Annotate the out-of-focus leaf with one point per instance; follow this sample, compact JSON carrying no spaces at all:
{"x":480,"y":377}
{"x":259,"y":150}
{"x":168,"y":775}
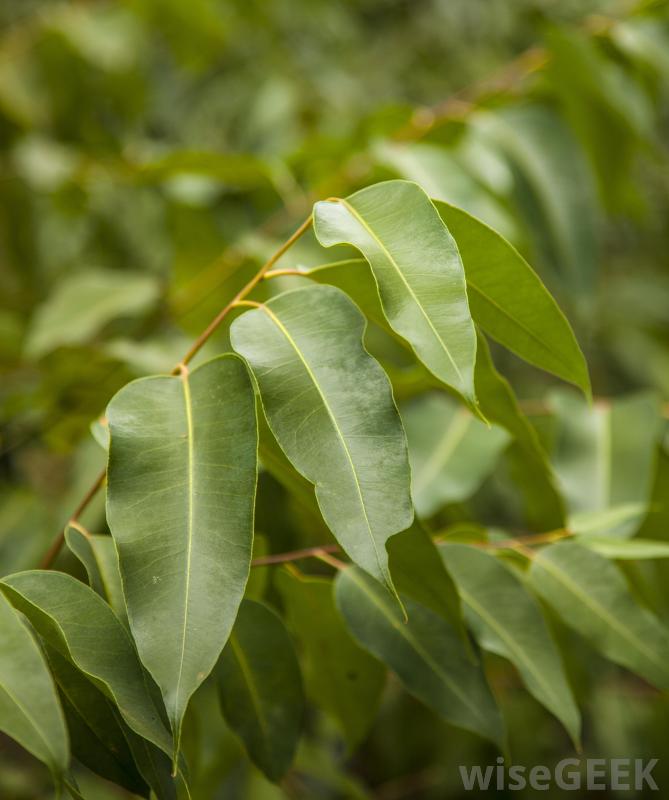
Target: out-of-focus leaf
{"x":425,"y":652}
{"x":590,"y":594}
{"x":29,"y":709}
{"x":450,"y":451}
{"x":601,"y":522}
{"x":531,"y":467}
{"x":508,"y":621}
{"x":509,"y":301}
{"x":340,"y":677}
{"x":417,"y":268}
{"x":181,"y":489}
{"x":625,"y":549}
{"x":330,"y":407}
{"x":604,"y":455}
{"x":100,"y":559}
{"x":77,"y":623}
{"x":261,"y":688}
{"x":83,"y":303}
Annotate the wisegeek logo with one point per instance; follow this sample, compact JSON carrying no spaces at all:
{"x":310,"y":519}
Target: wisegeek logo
{"x":570,"y":774}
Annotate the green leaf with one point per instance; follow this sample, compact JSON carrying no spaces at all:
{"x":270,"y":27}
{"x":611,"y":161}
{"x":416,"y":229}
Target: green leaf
{"x":78,"y":623}
{"x":29,"y":709}
{"x":330,"y":407}
{"x":507,"y":620}
{"x":261,"y":688}
{"x":182,"y":477}
{"x":509,"y":301}
{"x":531,"y":467}
{"x":591,"y":596}
{"x":418,"y":271}
{"x":604,"y":455}
{"x":100,"y":560}
{"x":96,"y":732}
{"x":624,"y":549}
{"x":426,"y":653}
{"x":86,"y":301}
{"x":450,"y":451}
{"x":340,"y":677}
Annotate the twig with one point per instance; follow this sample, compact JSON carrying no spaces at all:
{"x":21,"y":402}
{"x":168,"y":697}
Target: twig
{"x":237,"y":300}
{"x":295,"y":555}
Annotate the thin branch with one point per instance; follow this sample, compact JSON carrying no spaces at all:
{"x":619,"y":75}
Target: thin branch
{"x":295,"y":555}
{"x":180,"y":368}
{"x":52,"y":552}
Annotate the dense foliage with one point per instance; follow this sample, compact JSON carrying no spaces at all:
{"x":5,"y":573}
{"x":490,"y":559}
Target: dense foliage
{"x":402,"y":505}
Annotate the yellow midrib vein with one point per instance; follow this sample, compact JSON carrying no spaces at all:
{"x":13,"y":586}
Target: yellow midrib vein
{"x":191,"y":498}
{"x":406,"y":283}
{"x":340,"y":435}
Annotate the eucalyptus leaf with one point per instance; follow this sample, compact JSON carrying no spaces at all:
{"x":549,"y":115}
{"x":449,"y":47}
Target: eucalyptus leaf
{"x":418,"y":271}
{"x":590,"y":594}
{"x":331,"y":409}
{"x":29,"y":709}
{"x":260,"y":687}
{"x":181,"y":488}
{"x":425,"y":652}
{"x":507,"y":620}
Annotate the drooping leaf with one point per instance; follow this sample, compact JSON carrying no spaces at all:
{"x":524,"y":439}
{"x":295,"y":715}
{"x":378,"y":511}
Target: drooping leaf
{"x":450,"y":451}
{"x":418,"y":271}
{"x":99,"y":557}
{"x":591,"y":596}
{"x":340,"y":676}
{"x":425,"y":652}
{"x":530,"y":465}
{"x":29,"y":709}
{"x":509,"y":301}
{"x":95,"y":729}
{"x":78,"y":623}
{"x":507,"y":620}
{"x":182,"y":476}
{"x":604,"y":455}
{"x":84,"y":303}
{"x":261,"y":688}
{"x":330,"y":407}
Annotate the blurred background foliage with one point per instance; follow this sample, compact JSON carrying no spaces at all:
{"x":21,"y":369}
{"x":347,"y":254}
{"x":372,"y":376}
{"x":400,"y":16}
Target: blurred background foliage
{"x":154,"y":152}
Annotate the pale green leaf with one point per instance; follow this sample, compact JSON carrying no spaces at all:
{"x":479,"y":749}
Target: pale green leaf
{"x":450,"y":451}
{"x":509,"y":301}
{"x":425,"y":652}
{"x":625,"y":549}
{"x":418,"y":271}
{"x":84,"y":302}
{"x":78,"y":623}
{"x":591,"y":596}
{"x":340,"y":677}
{"x":330,"y":407}
{"x":182,"y":476}
{"x":260,"y":687}
{"x":604,"y":455}
{"x":507,"y":620}
{"x":29,"y":709}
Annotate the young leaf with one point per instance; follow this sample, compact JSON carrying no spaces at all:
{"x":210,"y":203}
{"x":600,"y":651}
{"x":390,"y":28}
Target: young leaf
{"x":100,"y":560}
{"x":591,"y":596}
{"x":330,"y":407}
{"x":418,"y":271}
{"x":507,"y":620}
{"x":426,"y":653}
{"x":261,"y":688}
{"x":29,"y":709}
{"x":182,"y":477}
{"x":340,"y":676}
{"x":509,"y":301}
{"x":604,"y":455}
{"x":77,"y":623}
{"x":450,"y":451}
